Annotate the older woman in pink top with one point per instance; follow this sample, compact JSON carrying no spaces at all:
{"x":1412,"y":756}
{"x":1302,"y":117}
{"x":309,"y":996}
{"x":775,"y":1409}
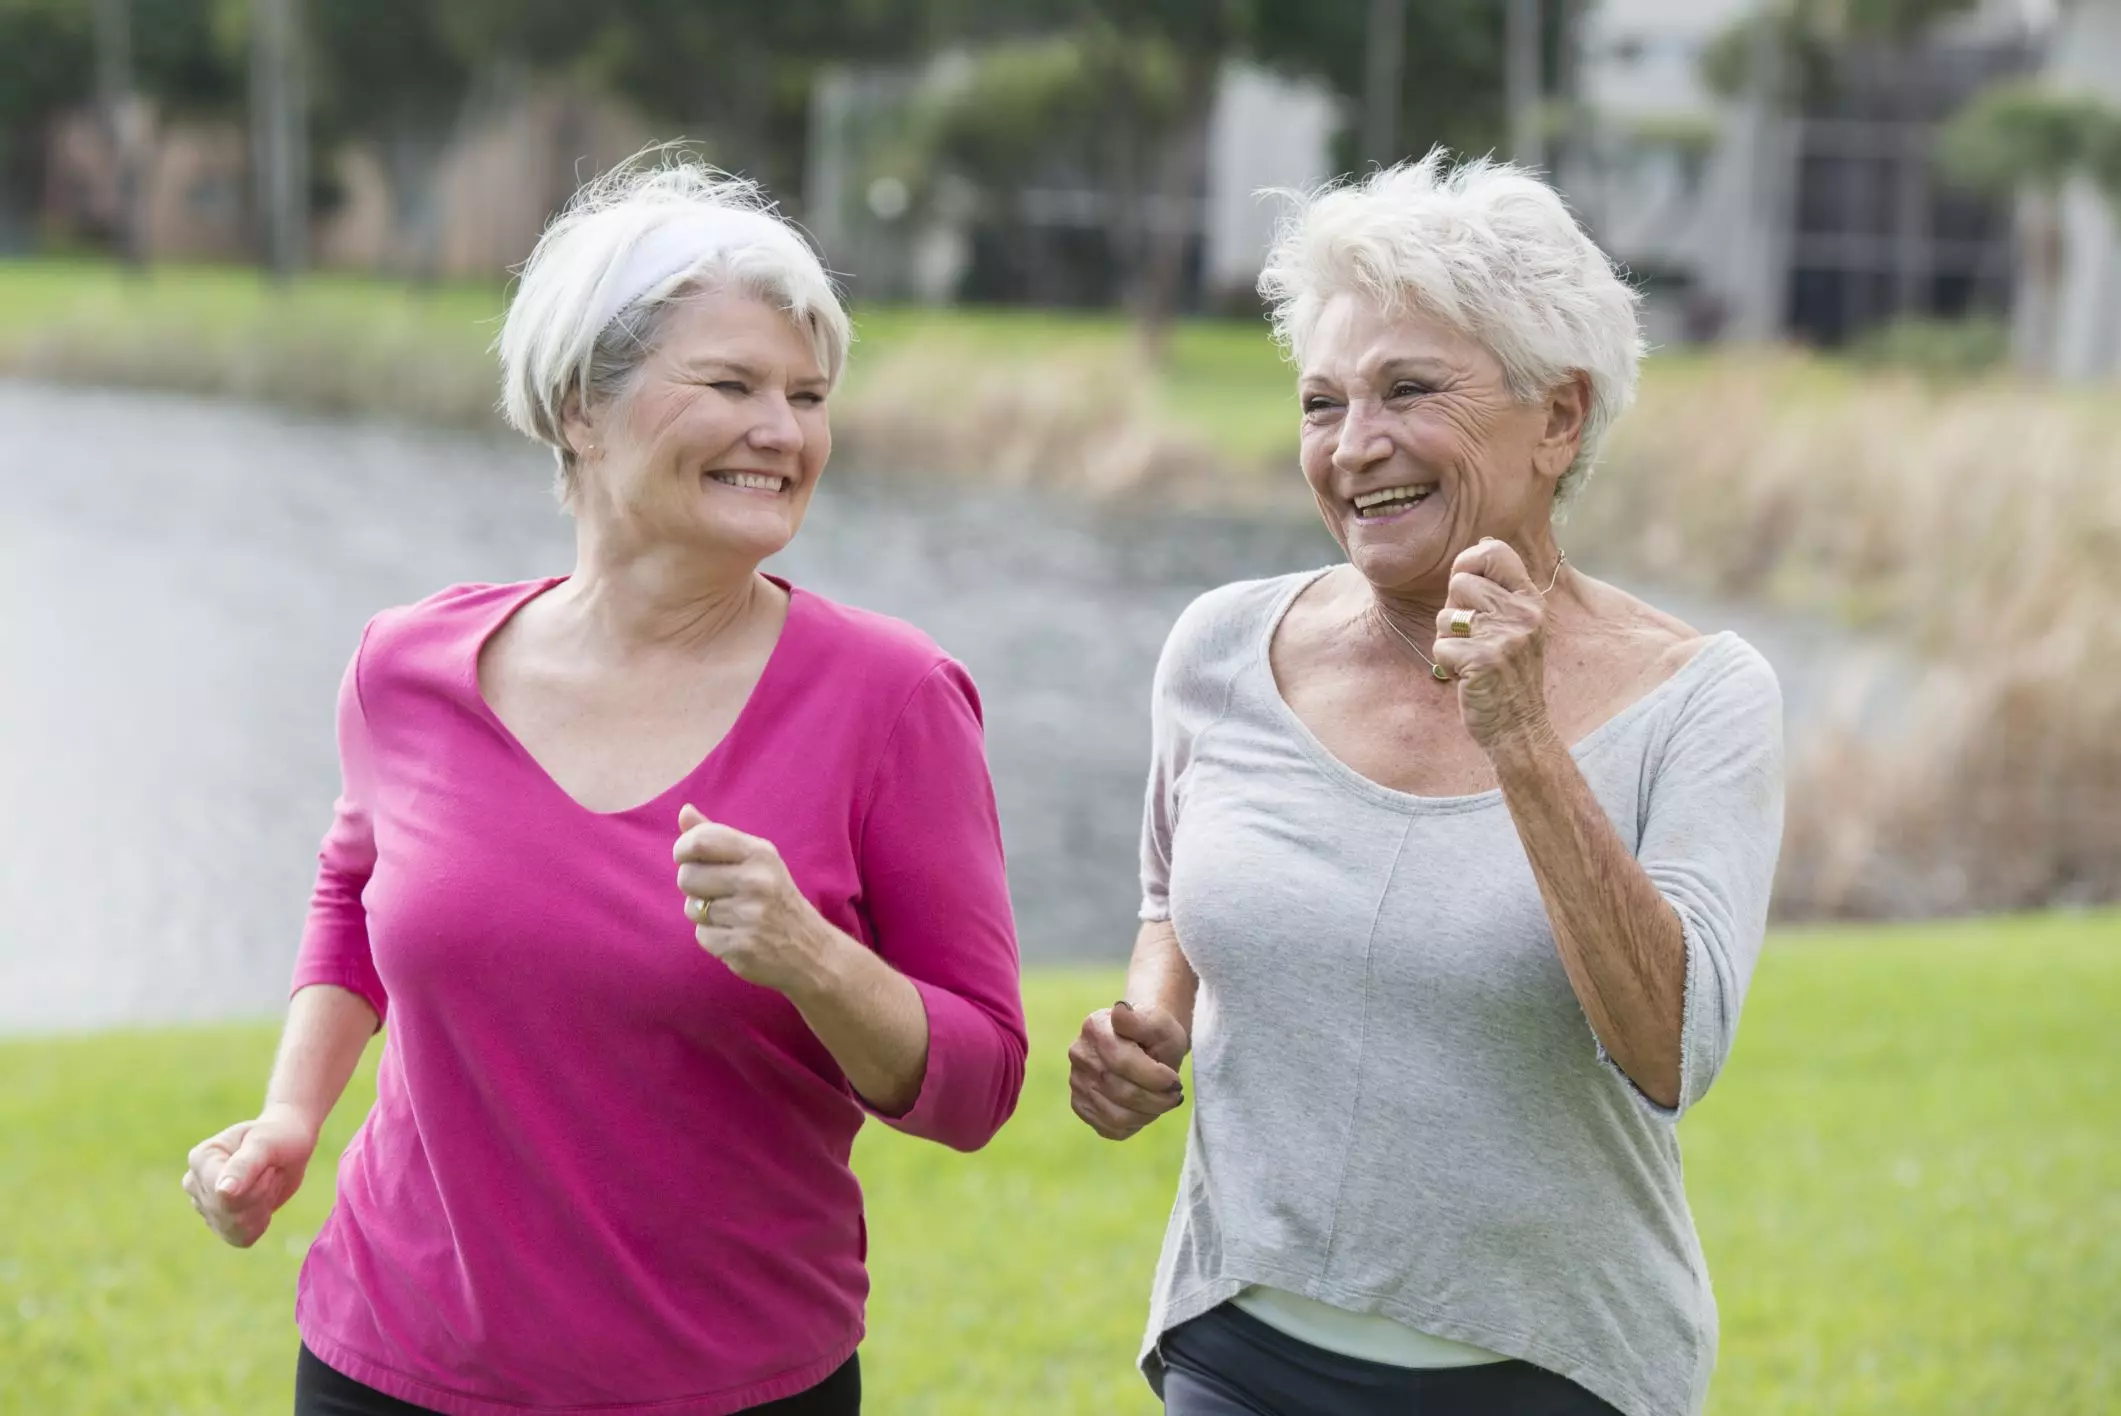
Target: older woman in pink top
{"x":663,"y":873}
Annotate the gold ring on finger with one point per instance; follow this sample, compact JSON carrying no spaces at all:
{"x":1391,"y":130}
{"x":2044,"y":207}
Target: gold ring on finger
{"x":1461,"y":623}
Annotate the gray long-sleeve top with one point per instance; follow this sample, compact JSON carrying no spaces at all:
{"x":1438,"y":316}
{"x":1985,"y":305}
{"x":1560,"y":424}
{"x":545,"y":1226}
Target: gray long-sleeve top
{"x":1399,"y":1105}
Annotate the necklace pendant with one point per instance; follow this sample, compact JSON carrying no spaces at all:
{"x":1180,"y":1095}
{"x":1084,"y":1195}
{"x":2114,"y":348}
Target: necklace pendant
{"x":1441,"y":674}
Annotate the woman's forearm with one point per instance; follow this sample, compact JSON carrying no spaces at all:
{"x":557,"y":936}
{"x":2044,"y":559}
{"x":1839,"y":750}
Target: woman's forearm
{"x":1160,"y":974}
{"x":871,"y":1019}
{"x":1620,"y":941}
{"x":327,"y":1030}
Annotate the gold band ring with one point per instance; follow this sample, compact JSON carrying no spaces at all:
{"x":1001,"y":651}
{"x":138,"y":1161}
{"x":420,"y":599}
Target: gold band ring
{"x":1461,"y":623}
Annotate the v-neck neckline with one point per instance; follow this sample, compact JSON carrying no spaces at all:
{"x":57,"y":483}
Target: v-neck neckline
{"x":668,"y":796}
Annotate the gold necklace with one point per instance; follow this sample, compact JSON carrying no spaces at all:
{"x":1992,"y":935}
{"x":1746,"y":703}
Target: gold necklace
{"x":1436,"y":670}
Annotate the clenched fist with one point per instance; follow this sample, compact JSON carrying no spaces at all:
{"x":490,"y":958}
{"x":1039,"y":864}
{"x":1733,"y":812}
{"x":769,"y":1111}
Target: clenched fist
{"x":746,"y":910}
{"x":240,"y":1178}
{"x":1123,"y":1068}
{"x":1491,"y":638}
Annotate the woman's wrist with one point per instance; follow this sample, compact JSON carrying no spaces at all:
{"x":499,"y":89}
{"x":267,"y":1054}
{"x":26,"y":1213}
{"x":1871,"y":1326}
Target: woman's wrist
{"x":832,"y":961}
{"x":309,"y":1119}
{"x":1524,"y":748}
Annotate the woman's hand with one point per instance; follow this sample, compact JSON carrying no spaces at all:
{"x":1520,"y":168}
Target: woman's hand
{"x":240,"y":1178}
{"x":747,"y":912}
{"x":1123,"y":1068}
{"x":1500,"y":666}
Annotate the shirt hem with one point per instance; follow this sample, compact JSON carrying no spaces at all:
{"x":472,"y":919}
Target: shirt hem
{"x":1182,"y":1307}
{"x":449,"y":1402}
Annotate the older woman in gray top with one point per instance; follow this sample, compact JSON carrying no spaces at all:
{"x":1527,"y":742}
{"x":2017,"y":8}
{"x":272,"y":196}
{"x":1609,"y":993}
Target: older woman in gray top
{"x":1455,"y":868}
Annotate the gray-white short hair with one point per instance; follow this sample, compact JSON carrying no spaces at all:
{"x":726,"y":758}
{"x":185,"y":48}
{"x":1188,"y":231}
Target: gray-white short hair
{"x":591,"y":300}
{"x":1484,"y":246}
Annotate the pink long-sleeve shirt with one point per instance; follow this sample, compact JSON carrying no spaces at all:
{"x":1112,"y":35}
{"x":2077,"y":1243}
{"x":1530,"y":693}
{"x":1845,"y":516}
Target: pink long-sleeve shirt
{"x":603,"y":1173}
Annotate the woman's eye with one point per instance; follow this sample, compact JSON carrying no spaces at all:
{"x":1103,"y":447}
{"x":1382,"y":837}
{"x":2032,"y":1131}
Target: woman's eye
{"x":1318,"y":405}
{"x":730,"y":386}
{"x":1404,"y":389}
{"x":809,"y":400}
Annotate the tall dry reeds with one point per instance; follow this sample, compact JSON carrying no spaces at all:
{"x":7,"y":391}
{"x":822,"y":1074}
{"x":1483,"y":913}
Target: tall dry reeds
{"x":1069,"y":421}
{"x":1978,"y":524}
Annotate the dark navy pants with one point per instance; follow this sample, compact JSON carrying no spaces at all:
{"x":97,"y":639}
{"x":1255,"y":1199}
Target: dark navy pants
{"x":1229,"y":1363}
{"x":323,"y":1391}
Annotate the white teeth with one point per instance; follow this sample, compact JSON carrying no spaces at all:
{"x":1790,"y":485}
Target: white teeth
{"x":1369,"y":501}
{"x":751,"y":481}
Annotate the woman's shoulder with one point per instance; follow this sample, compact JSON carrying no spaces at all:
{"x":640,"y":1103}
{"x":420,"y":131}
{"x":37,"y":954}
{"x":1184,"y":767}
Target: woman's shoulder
{"x":453,"y":612}
{"x":1229,"y":618}
{"x":866,"y":646}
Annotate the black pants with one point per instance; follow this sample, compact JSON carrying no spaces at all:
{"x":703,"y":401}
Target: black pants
{"x":322,"y":1391}
{"x":1229,"y":1363}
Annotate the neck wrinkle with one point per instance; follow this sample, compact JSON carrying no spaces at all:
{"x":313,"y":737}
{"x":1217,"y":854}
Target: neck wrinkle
{"x":656,"y":598}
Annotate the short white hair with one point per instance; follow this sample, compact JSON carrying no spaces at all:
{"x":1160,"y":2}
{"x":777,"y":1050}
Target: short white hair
{"x":1484,"y":246}
{"x":632,"y":244}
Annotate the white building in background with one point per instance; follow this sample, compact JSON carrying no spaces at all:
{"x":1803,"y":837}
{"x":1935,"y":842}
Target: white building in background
{"x":2084,"y":54}
{"x":1651,"y":178}
{"x":1268,"y":133}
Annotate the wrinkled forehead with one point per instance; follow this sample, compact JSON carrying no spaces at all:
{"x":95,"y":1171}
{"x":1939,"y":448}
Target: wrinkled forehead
{"x":1355,"y":337}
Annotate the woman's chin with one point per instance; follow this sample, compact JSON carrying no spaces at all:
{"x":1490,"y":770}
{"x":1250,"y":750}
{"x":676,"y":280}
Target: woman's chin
{"x":1396,"y":552}
{"x":751,"y":541}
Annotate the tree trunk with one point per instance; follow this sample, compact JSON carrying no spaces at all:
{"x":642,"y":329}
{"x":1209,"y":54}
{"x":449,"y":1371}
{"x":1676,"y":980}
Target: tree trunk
{"x":280,"y":135}
{"x":125,"y":126}
{"x":2035,"y":326}
{"x":1177,"y":218}
{"x":1523,"y":82}
{"x":1382,"y":79}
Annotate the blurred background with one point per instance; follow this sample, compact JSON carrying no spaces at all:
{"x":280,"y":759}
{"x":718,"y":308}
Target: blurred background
{"x":252,"y":254}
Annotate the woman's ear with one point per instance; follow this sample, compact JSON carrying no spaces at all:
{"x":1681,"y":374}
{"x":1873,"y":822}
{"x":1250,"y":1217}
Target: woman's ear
{"x":576,"y":429}
{"x":1568,"y":411}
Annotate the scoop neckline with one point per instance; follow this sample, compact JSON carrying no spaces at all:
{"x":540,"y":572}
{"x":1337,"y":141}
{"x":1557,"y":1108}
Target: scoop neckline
{"x":1322,"y":757}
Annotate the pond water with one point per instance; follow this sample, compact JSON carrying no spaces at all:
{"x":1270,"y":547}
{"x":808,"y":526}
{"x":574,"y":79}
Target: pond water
{"x":181,"y":583}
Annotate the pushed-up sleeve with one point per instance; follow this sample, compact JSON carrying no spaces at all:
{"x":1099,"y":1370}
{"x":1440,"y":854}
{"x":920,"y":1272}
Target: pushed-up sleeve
{"x":335,"y":948}
{"x":935,"y":889}
{"x":1710,"y":842}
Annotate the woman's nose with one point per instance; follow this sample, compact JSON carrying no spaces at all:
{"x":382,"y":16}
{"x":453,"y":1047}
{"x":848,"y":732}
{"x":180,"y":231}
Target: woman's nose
{"x":1363,"y":438}
{"x":778,"y":429}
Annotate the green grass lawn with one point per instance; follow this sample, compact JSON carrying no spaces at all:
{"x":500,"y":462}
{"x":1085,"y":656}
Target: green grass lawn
{"x":1908,"y":1183}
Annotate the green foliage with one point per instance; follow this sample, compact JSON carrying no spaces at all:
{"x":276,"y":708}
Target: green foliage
{"x":1804,"y":57}
{"x":2025,"y":134}
{"x":44,"y":66}
{"x":1808,"y":36}
{"x":1085,"y":98}
{"x":1904,"y":1185}
{"x":1936,"y":348}
{"x":1890,"y":21}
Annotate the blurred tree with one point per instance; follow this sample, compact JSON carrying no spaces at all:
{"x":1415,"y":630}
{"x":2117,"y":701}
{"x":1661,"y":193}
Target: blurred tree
{"x":736,"y":75}
{"x":46,"y":66}
{"x":177,"y":64}
{"x":2027,"y":141}
{"x":1087,"y":109}
{"x":1807,"y":37}
{"x":1120,"y":94}
{"x":397,"y":73}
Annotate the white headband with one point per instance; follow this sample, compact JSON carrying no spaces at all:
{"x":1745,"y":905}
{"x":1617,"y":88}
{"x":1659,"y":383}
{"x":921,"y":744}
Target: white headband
{"x":677,"y":246}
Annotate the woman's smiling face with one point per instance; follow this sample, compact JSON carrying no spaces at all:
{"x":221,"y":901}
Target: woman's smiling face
{"x":1414,"y":445}
{"x":722,"y":436}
